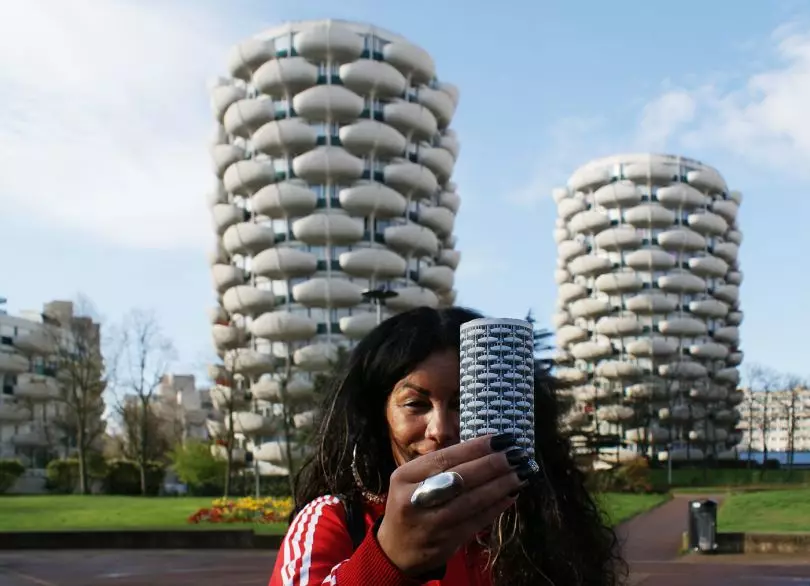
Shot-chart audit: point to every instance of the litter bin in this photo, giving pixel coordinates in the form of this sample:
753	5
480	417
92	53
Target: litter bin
703	526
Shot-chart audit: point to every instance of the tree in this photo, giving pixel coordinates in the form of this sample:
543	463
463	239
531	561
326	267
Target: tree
145	355
227	390
763	381
789	404
133	420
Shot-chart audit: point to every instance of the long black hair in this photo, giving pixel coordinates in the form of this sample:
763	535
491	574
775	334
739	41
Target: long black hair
556	534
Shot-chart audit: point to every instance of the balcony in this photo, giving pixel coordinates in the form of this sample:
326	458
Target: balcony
36	387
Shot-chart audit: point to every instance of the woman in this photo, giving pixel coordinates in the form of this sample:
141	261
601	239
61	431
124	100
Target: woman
390	422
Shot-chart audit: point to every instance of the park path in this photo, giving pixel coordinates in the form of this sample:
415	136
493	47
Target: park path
655	536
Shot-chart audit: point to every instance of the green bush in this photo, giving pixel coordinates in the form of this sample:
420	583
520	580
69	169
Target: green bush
198	469
63	475
632	476
123	477
10	471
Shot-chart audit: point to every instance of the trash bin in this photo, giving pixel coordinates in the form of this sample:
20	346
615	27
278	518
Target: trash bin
703	526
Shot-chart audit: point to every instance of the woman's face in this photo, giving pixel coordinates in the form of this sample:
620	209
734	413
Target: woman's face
423	411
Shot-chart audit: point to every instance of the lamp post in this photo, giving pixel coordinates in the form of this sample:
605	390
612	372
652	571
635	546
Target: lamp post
378	297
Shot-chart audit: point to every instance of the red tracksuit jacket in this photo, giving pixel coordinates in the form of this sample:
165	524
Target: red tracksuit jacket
318	551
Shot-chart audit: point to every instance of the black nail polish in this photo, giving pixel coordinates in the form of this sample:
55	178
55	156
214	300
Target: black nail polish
525	472
517	457
502	441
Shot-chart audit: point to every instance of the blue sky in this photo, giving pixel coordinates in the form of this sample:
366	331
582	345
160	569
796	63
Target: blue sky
104	167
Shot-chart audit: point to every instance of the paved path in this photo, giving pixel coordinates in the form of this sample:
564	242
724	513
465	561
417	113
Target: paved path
651	543
656	536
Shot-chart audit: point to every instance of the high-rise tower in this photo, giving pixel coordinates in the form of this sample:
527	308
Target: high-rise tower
648	312
333	157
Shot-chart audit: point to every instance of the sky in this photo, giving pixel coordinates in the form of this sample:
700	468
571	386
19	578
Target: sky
105	122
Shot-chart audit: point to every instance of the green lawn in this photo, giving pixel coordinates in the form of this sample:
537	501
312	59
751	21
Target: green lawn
620	507
52	513
772	511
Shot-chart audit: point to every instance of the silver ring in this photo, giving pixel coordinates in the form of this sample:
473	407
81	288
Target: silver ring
438	489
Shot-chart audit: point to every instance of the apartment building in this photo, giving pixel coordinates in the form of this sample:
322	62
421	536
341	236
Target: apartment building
332	162
768	419
35	423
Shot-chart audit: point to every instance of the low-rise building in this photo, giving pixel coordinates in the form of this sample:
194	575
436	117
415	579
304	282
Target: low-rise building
769	419
36	422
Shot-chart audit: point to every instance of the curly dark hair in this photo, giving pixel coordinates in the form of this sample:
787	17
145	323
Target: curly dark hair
556	534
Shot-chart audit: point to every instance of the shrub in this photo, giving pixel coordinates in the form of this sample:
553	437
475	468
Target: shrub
632	476
10	471
196	467
123	477
63	475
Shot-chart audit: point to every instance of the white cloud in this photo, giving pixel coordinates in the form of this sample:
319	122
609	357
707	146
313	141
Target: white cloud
663	116
762	118
765	120
105	121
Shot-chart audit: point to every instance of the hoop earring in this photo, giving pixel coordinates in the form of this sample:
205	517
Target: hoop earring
367	494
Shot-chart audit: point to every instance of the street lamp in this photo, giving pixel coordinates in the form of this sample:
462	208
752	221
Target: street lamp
378	297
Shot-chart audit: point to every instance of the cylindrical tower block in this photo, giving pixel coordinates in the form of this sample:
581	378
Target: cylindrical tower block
332	157
648	312
497	379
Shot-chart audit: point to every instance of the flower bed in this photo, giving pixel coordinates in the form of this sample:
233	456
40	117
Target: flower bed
245	510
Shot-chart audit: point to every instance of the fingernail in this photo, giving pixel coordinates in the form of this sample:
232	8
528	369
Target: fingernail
500	442
526	471
517	456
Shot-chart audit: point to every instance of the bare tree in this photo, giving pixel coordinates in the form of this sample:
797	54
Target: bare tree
145	355
789	403
227	393
69	346
763	381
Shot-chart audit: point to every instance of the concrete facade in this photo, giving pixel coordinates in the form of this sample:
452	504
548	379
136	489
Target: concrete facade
32	416
333	154
648	310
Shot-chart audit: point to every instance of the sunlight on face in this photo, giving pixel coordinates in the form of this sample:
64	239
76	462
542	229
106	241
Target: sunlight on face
423	410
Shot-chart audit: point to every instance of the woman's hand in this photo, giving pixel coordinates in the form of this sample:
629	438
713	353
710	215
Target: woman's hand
419	539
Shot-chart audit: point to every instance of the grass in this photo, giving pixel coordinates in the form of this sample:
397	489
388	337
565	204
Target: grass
620	507
772	511
75	512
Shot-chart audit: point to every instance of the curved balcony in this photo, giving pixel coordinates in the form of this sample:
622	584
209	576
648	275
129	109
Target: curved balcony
280	326
288	199
370	263
285	77
370	198
36	387
357	326
412	61
328	229
331	41
328	164
284	263
12	413
250	424
328	293
368	77
284	138
329	103
247	56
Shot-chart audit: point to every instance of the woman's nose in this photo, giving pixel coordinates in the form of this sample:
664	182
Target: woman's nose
442	427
